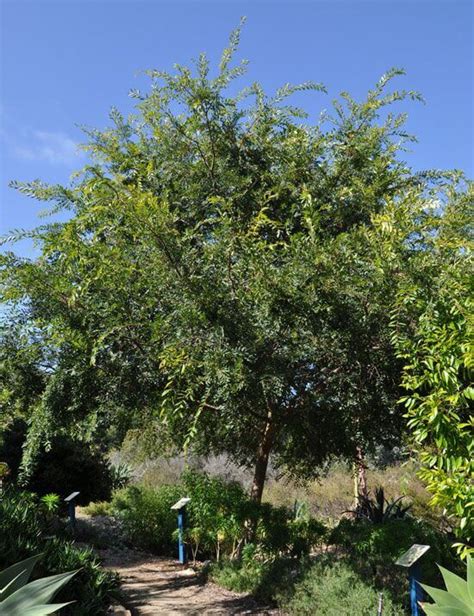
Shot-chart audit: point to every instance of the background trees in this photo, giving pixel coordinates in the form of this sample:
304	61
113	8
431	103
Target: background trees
226	276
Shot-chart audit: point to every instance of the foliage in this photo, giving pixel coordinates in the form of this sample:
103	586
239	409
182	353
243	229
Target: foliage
333	588
373	548
146	515
432	330
67	465
218	518
22	368
121	475
377	509
22	523
220	514
98	509
458	599
263	579
24	531
221	280
51	502
18	596
4	470
93	587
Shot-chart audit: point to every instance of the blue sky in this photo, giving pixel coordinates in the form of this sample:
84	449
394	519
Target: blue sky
65	63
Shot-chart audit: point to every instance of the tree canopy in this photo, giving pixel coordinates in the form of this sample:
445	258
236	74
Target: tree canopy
227	274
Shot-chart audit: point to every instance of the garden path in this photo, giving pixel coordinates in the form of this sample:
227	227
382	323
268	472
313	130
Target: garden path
160	586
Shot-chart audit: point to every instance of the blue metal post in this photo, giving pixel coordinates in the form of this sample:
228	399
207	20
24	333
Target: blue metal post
181	545
415	589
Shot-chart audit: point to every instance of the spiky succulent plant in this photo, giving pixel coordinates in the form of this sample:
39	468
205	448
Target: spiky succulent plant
457	599
19	597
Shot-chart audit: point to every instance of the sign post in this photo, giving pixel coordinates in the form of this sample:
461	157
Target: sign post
180	507
71	508
410	560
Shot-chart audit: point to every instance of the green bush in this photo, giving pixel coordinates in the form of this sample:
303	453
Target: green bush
332	589
99	508
146	515
373	549
22	526
220	514
217	514
24	531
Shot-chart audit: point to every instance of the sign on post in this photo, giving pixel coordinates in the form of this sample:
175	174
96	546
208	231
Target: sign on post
180	507
71	507
411	561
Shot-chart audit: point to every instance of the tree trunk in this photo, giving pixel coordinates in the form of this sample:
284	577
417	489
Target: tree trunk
360	477
261	463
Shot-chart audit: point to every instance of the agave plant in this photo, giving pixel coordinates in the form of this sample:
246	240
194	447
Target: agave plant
378	509
457	599
19	597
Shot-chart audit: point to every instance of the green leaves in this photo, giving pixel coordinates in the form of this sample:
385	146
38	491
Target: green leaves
458	599
432	328
19	597
224	263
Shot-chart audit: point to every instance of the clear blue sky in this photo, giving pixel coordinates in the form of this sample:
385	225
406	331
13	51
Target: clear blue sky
65	63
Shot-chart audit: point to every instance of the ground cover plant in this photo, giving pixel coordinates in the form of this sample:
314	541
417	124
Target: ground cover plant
331	588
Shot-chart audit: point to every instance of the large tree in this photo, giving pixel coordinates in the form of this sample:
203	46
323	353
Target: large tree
222	280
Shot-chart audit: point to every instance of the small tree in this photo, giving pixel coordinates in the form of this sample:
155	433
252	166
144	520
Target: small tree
221	280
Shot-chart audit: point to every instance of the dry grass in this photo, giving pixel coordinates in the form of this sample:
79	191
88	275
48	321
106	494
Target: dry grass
333	494
327	497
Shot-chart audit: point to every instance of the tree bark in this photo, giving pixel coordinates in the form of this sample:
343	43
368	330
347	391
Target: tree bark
261	462
360	477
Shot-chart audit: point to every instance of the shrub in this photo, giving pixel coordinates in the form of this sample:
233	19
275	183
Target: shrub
69	466
120	476
333	588
24	530
220	514
93	586
373	548
146	515
98	509
22	526
219	518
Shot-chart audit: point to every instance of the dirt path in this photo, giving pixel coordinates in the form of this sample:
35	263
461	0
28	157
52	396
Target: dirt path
162	586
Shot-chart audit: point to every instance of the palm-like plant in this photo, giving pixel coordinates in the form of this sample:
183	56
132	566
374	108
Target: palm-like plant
378	509
19	597
457	599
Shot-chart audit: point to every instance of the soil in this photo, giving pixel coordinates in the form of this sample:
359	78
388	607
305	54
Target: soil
161	586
